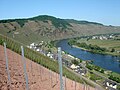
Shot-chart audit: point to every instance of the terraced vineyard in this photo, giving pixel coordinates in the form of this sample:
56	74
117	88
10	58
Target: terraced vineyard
39	78
33	69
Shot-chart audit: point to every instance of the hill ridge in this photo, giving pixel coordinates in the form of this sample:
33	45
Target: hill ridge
46	28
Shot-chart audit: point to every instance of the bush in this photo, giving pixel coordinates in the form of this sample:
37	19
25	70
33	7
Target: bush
113	50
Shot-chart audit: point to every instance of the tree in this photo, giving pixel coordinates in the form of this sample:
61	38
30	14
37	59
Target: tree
102	70
75	62
113	50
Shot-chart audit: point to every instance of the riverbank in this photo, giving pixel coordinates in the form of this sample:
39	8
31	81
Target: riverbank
103	53
94	47
108	46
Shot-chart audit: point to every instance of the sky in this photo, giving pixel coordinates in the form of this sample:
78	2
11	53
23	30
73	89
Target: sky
103	11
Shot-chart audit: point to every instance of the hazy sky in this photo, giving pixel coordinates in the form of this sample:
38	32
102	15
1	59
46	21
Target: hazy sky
103	11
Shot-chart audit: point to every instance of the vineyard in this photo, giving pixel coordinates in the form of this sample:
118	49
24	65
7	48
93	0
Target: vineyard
37	57
40	69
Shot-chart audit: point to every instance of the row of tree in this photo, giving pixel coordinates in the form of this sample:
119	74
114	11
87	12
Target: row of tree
117	79
94	67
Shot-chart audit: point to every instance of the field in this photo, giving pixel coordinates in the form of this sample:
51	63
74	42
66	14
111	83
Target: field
108	44
39	78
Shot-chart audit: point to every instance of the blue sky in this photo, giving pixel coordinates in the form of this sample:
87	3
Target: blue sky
103	11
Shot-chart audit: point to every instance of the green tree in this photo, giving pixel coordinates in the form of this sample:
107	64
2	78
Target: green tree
113	50
102	70
75	62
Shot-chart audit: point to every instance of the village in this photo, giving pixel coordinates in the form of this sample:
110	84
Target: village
104	37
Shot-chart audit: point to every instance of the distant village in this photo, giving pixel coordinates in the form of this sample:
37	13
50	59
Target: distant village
104	37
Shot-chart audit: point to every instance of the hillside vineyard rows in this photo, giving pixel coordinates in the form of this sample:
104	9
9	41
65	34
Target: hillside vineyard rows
39	78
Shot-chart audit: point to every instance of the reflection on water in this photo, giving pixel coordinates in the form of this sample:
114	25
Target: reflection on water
105	61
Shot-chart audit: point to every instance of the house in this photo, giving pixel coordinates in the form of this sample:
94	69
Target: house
50	55
82	71
95	37
38	50
104	38
110	85
73	66
118	51
33	44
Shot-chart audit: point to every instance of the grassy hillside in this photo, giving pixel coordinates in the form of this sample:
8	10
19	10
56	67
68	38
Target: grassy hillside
47	28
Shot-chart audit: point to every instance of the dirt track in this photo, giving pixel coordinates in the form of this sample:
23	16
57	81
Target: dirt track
39	78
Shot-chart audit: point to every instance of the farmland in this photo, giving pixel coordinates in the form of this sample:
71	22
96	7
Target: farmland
109	46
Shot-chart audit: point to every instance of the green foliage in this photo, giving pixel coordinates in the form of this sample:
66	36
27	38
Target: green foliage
102	70
118	87
92	48
75	62
52	44
94	67
1	41
21	22
80	61
82	22
97	68
113	50
117	79
94	77
55	21
89	66
72	42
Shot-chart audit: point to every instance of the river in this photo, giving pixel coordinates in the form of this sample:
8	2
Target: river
105	61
